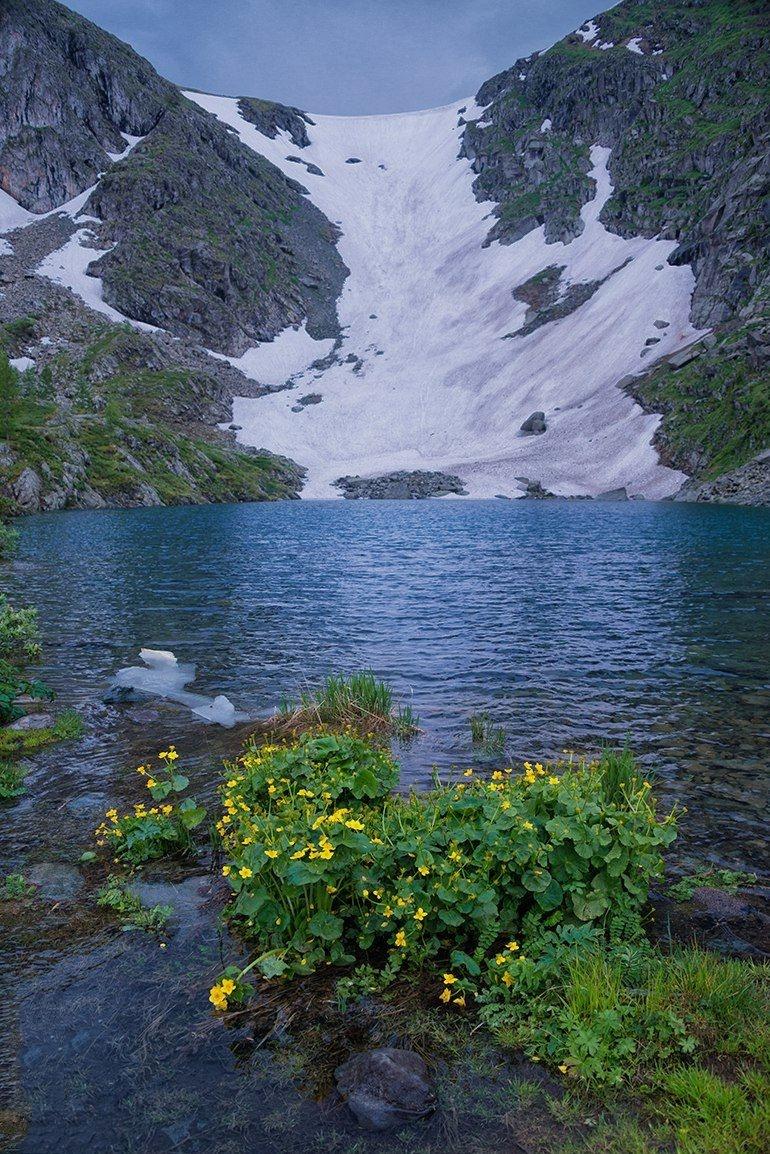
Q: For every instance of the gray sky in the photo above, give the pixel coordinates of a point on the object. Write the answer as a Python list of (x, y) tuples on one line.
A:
[(338, 56)]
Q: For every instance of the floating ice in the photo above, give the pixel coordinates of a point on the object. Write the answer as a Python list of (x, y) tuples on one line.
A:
[(162, 674)]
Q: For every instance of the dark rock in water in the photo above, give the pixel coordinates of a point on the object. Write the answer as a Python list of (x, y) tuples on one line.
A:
[(661, 324), (386, 1087), (736, 924), (535, 423), (353, 160), (400, 486), (32, 721), (652, 341), (56, 881), (613, 495), (125, 695)]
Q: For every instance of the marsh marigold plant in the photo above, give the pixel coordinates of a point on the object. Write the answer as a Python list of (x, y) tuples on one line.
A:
[(328, 866)]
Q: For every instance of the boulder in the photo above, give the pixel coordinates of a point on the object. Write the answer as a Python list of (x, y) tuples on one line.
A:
[(32, 721), (386, 1087), (535, 424), (613, 495)]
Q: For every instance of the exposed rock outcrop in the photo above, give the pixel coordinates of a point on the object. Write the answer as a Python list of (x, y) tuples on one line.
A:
[(400, 486)]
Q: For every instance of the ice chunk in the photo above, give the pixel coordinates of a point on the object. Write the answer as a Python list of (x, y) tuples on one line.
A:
[(163, 675)]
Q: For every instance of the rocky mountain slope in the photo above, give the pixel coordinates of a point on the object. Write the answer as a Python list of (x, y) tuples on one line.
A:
[(426, 282)]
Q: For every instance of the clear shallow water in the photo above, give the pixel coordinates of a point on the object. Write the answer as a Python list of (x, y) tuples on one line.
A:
[(572, 623)]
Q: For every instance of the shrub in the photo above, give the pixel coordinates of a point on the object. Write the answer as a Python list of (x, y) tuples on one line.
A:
[(146, 834), (325, 864)]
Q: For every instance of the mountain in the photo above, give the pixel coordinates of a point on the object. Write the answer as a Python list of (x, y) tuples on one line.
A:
[(372, 297)]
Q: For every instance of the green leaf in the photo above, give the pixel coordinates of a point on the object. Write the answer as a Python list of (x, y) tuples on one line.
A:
[(551, 897), (179, 782), (461, 961), (190, 814), (536, 883), (271, 966), (326, 926)]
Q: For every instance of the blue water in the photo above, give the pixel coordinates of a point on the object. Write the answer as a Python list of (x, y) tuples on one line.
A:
[(571, 623)]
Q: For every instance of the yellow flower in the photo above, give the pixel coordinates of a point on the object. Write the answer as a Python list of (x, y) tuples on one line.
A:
[(401, 939), (513, 947), (553, 780), (527, 825), (423, 870), (420, 914), (357, 825), (468, 773), (449, 979), (445, 996), (217, 998), (460, 1001), (507, 979), (151, 783), (272, 853), (228, 985), (226, 870), (505, 804), (245, 872), (563, 1069), (331, 889), (500, 960), (300, 853), (387, 912)]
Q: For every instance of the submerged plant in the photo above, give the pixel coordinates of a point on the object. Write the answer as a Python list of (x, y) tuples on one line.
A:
[(721, 879), (130, 910), (485, 734), (11, 781)]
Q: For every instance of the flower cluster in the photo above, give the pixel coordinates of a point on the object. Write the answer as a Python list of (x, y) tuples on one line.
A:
[(325, 863), (144, 833)]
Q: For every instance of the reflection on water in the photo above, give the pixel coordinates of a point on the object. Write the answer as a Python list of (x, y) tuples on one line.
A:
[(571, 624)]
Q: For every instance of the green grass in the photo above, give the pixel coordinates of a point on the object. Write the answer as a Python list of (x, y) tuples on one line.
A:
[(360, 700), (709, 1115), (24, 742), (11, 781), (14, 887)]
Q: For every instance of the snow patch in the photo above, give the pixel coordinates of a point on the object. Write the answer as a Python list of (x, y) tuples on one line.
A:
[(162, 675), (635, 46), (449, 393), (13, 216), (546, 126), (275, 362), (588, 31), (131, 143), (21, 363), (67, 267)]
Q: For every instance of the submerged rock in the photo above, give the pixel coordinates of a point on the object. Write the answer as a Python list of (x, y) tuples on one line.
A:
[(32, 721), (386, 1087)]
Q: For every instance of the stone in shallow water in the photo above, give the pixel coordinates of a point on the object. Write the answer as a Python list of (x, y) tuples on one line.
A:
[(56, 881), (33, 721), (386, 1087)]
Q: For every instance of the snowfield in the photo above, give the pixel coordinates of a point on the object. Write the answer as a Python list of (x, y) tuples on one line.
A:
[(433, 383)]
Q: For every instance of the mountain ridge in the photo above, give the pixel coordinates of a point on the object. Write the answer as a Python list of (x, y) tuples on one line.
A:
[(176, 249)]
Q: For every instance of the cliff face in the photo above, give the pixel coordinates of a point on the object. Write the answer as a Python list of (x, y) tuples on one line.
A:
[(678, 91), (205, 239)]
